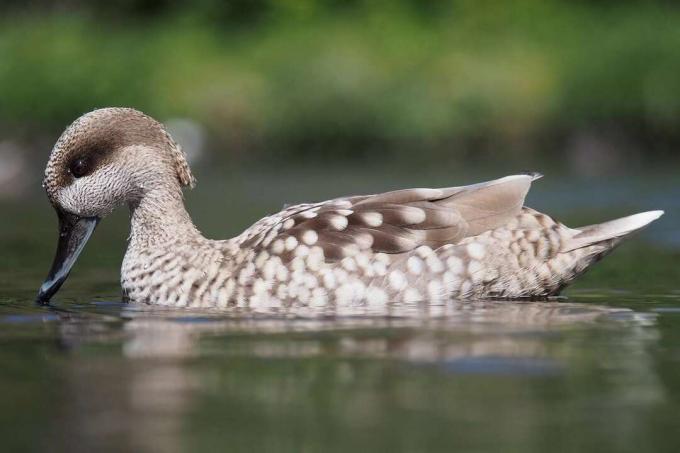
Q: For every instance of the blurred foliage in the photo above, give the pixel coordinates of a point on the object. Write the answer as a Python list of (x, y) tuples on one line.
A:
[(314, 78)]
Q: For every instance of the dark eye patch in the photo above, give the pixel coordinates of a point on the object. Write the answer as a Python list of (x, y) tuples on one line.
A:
[(80, 167), (86, 157)]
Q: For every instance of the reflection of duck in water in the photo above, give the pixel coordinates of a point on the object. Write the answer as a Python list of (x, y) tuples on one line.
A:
[(476, 241), (171, 333)]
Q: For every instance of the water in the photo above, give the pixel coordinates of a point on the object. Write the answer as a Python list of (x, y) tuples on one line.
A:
[(596, 370)]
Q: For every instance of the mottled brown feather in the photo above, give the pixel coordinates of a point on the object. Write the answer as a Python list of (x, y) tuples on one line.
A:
[(400, 221)]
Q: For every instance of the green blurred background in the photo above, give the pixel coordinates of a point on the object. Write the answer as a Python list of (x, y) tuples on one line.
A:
[(588, 87)]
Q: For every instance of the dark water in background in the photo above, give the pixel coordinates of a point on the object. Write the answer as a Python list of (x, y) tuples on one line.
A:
[(598, 370)]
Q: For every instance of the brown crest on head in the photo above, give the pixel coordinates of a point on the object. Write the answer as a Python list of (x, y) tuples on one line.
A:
[(91, 140)]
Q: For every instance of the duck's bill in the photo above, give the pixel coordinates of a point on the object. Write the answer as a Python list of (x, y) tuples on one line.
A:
[(74, 232)]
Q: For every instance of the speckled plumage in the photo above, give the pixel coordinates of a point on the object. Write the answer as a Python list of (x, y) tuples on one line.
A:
[(410, 245)]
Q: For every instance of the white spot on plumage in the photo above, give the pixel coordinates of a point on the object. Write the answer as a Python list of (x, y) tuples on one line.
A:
[(262, 258), (319, 297), (435, 289), (314, 260), (359, 290), (288, 224), (221, 298), (380, 268), (303, 294), (344, 294), (311, 281), (374, 219), (329, 280), (476, 271), (533, 235), (340, 275), (434, 263), (338, 222), (301, 250), (382, 257), (362, 260), (260, 286), (282, 273), (310, 237), (278, 247), (412, 295), (293, 291), (397, 280), (376, 296), (413, 216), (351, 249), (246, 273), (269, 269), (476, 250), (291, 243), (454, 264), (298, 264), (414, 265), (424, 251), (349, 264), (298, 276), (451, 281), (503, 234), (363, 240)]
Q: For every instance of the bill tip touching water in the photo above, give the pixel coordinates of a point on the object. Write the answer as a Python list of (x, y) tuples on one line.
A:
[(476, 241)]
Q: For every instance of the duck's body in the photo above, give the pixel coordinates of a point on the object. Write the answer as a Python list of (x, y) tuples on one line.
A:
[(404, 246), (420, 244)]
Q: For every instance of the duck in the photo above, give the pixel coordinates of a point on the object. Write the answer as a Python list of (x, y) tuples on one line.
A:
[(413, 245)]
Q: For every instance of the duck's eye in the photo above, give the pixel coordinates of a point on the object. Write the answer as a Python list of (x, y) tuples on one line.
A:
[(79, 168)]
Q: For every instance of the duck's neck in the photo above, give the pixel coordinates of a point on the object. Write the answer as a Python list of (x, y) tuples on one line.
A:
[(160, 217)]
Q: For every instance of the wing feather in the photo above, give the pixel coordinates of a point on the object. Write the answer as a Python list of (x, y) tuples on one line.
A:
[(392, 222)]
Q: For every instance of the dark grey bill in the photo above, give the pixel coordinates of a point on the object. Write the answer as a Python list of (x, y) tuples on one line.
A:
[(74, 232)]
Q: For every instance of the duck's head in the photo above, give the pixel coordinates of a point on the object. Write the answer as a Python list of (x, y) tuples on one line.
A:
[(106, 158)]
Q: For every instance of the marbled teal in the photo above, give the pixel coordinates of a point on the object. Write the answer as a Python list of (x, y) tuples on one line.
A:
[(477, 241)]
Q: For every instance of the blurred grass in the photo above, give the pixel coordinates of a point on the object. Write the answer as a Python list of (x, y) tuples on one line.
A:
[(311, 79)]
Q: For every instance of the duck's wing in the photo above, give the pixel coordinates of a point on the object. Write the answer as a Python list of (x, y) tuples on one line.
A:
[(392, 222)]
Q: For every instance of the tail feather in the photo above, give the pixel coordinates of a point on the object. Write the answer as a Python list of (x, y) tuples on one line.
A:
[(612, 230)]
